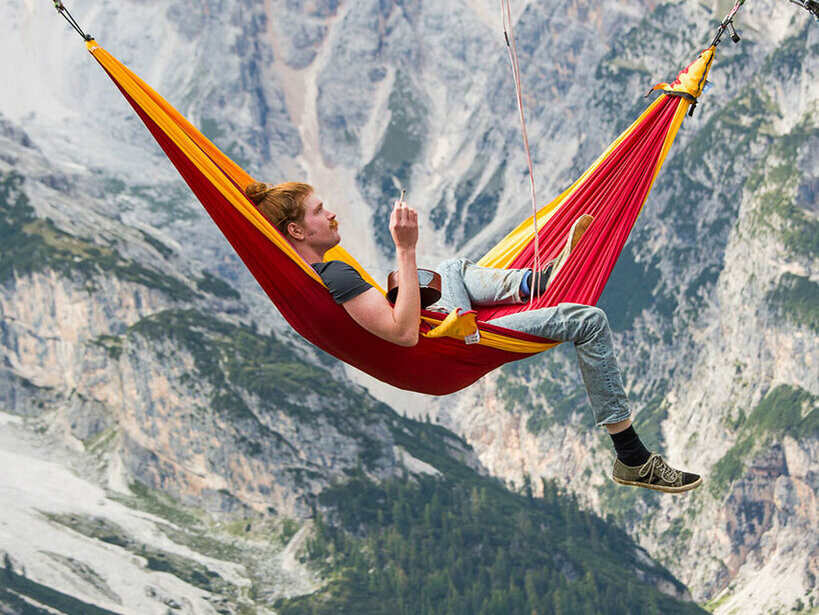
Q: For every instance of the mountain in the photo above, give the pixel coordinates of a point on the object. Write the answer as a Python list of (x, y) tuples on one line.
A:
[(714, 307), (156, 381), (159, 454)]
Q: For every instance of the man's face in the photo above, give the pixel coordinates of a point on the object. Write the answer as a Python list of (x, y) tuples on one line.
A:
[(319, 226)]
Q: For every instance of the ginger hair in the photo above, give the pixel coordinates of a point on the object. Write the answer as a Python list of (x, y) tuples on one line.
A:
[(280, 203)]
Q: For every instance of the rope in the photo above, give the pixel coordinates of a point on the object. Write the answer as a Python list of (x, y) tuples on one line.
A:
[(70, 19), (509, 35), (809, 5), (728, 23)]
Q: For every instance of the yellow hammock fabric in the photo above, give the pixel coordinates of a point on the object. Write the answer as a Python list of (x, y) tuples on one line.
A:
[(613, 190)]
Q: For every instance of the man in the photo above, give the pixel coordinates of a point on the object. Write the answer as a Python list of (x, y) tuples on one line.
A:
[(299, 214)]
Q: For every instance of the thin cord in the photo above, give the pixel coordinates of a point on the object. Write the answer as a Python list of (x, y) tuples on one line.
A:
[(70, 19), (509, 35)]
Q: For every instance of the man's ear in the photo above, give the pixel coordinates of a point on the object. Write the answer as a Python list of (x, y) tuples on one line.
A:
[(295, 231)]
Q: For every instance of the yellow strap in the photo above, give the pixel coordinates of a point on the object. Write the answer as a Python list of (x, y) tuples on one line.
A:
[(456, 325), (460, 326)]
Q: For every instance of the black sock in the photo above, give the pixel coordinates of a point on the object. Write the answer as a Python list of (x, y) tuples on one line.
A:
[(527, 282), (630, 449), (543, 279)]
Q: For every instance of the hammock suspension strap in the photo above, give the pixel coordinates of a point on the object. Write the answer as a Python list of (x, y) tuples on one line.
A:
[(809, 5), (686, 96), (70, 19), (728, 24)]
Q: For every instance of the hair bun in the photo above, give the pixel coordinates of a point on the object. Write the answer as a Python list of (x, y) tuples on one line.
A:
[(256, 192)]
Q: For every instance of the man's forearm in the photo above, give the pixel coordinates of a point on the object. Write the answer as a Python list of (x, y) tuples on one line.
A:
[(407, 309)]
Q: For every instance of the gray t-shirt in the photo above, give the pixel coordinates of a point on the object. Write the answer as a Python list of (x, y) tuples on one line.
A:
[(344, 281)]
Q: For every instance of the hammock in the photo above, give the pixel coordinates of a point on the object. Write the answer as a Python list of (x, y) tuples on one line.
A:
[(613, 190)]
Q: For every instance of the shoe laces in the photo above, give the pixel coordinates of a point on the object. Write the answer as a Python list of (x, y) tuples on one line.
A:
[(656, 466)]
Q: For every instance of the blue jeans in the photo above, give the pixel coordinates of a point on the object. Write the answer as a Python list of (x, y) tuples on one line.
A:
[(464, 284)]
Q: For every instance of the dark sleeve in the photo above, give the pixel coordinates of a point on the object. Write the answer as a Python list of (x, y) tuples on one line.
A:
[(343, 280)]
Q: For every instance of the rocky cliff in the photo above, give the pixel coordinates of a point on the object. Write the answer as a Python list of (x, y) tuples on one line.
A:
[(132, 333)]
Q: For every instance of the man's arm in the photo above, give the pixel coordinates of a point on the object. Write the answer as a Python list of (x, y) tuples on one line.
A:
[(397, 324)]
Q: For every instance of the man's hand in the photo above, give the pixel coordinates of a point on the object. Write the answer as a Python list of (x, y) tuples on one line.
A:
[(399, 323), (404, 226)]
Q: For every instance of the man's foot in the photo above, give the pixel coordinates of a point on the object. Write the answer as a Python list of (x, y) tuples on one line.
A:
[(536, 283), (655, 474), (575, 233)]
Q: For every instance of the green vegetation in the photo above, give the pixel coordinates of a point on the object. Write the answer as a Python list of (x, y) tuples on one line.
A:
[(676, 532), (19, 594), (775, 177), (784, 411), (216, 286), (391, 167), (240, 364), (789, 56), (184, 568), (157, 245), (201, 540), (246, 540), (101, 442), (697, 290), (800, 232), (211, 129), (692, 177), (564, 401), (775, 181), (258, 364), (717, 602), (470, 546), (157, 503), (408, 544), (32, 244), (112, 345), (625, 506), (560, 396), (629, 291), (432, 444), (796, 298), (172, 201), (622, 75), (463, 543), (653, 411), (474, 211), (557, 396)]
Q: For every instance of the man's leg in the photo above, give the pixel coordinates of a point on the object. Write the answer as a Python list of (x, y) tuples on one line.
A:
[(464, 284), (588, 328)]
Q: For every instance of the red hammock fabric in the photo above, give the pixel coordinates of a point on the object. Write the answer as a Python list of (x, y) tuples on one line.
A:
[(613, 191), (613, 194)]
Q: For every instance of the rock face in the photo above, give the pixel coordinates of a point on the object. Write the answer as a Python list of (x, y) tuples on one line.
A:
[(710, 307), (126, 319)]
